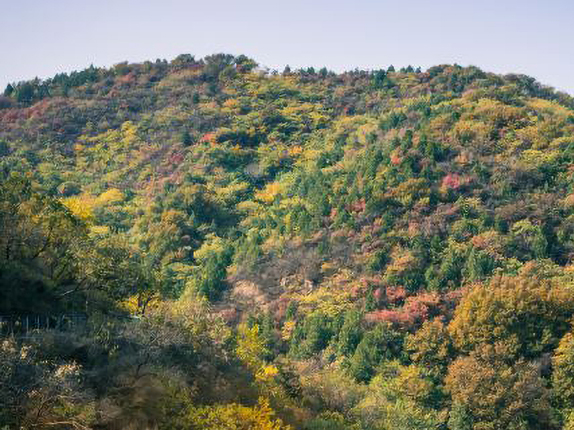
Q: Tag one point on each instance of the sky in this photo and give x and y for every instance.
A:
(533, 37)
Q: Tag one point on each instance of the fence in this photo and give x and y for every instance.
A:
(27, 325)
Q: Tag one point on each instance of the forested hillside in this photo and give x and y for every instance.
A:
(252, 249)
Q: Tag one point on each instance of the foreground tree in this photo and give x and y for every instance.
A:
(431, 346)
(528, 315)
(490, 392)
(563, 379)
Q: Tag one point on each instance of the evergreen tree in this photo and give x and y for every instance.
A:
(370, 304)
(381, 343)
(350, 333)
(9, 90)
(186, 138)
(291, 311)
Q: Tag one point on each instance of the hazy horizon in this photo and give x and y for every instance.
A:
(40, 39)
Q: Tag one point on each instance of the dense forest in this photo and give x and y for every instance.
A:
(251, 249)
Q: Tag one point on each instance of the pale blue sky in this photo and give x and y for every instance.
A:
(43, 37)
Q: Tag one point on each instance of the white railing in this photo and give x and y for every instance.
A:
(26, 325)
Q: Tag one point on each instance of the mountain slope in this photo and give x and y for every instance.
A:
(338, 223)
